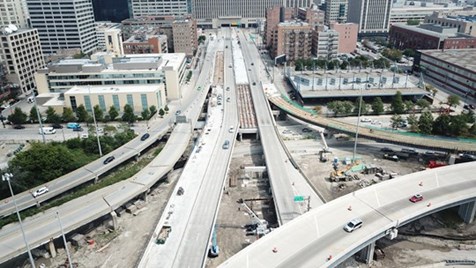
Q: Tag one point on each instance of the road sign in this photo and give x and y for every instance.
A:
(298, 198)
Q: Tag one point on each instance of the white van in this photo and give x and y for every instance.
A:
(47, 130)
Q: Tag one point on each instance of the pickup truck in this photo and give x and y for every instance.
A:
(163, 234)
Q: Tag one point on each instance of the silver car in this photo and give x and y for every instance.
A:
(353, 225)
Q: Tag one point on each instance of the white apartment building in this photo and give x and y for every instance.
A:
(325, 44)
(63, 24)
(12, 12)
(20, 50)
(336, 10)
(21, 53)
(109, 36)
(373, 16)
(402, 14)
(107, 70)
(140, 8)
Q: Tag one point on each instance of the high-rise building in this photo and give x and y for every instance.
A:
(20, 49)
(185, 36)
(12, 12)
(293, 39)
(325, 43)
(140, 8)
(336, 10)
(63, 24)
(311, 15)
(111, 10)
(109, 36)
(373, 16)
(275, 15)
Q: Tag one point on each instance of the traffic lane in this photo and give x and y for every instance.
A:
(200, 224)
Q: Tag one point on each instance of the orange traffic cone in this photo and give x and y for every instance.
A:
(329, 258)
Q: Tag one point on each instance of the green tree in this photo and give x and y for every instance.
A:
(161, 112)
(364, 109)
(453, 100)
(33, 115)
(431, 89)
(409, 52)
(392, 54)
(152, 110)
(413, 122)
(68, 115)
(344, 65)
(397, 105)
(441, 125)
(469, 117)
(128, 115)
(409, 106)
(425, 122)
(377, 106)
(145, 114)
(82, 114)
(423, 104)
(98, 113)
(458, 126)
(52, 116)
(113, 113)
(18, 117)
(472, 130)
(396, 120)
(166, 109)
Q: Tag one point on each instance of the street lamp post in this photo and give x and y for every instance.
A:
(64, 241)
(39, 118)
(7, 177)
(95, 124)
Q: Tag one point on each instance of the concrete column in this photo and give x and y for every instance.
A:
(257, 135)
(96, 178)
(115, 225)
(367, 253)
(52, 248)
(241, 136)
(144, 196)
(467, 211)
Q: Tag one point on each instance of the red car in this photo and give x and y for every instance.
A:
(416, 198)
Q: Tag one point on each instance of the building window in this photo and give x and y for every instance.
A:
(87, 103)
(130, 101)
(115, 101)
(102, 103)
(143, 99)
(74, 106)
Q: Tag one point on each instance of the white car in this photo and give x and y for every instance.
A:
(231, 129)
(40, 191)
(365, 120)
(353, 225)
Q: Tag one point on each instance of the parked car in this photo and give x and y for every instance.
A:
(42, 190)
(109, 160)
(178, 112)
(416, 198)
(254, 83)
(306, 130)
(392, 157)
(79, 129)
(18, 127)
(353, 225)
(145, 137)
(56, 126)
(387, 150)
(365, 120)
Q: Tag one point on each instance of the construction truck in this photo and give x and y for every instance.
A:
(257, 226)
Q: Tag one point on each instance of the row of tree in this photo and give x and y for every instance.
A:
(44, 162)
(377, 107)
(18, 117)
(445, 125)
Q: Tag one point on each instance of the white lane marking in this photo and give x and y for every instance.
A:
(317, 226)
(376, 196)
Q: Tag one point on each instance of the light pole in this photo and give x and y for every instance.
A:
(7, 177)
(95, 123)
(64, 241)
(39, 118)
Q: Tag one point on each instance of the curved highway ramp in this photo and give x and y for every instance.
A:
(309, 240)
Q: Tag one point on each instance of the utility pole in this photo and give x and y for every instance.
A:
(95, 123)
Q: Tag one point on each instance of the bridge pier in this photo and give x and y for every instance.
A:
(367, 253)
(96, 178)
(144, 196)
(52, 248)
(282, 116)
(115, 225)
(467, 211)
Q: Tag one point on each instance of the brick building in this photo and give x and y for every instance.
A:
(347, 36)
(294, 39)
(146, 44)
(429, 36)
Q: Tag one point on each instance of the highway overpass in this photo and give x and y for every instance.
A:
(309, 240)
(43, 227)
(286, 182)
(429, 142)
